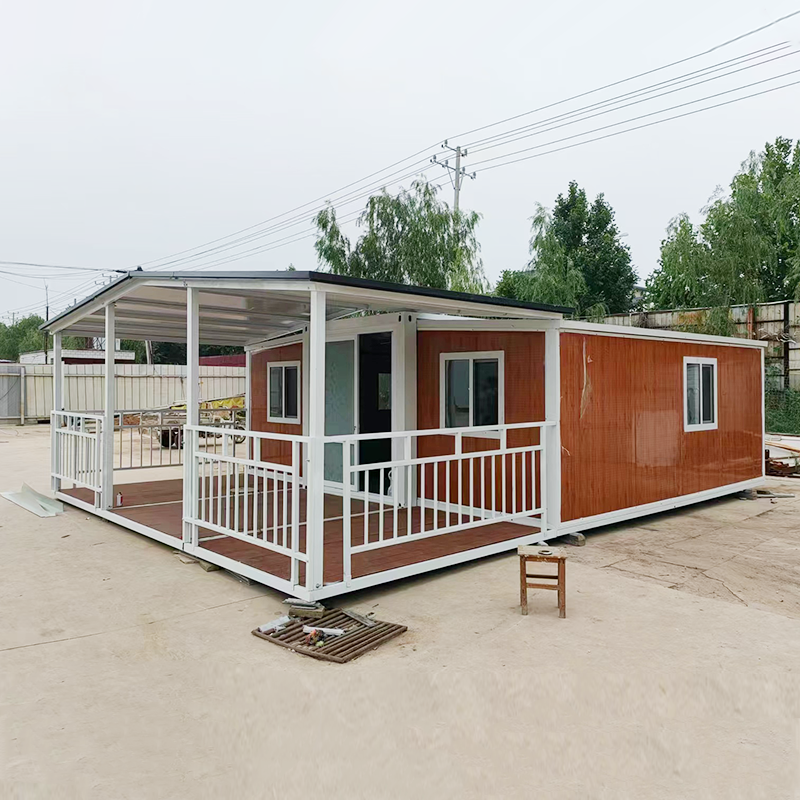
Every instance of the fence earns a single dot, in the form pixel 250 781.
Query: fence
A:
pixel 777 323
pixel 234 490
pixel 11 388
pixel 411 498
pixel 137 386
pixel 77 450
pixel 237 493
pixel 145 438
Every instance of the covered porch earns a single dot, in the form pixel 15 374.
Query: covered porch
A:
pixel 346 501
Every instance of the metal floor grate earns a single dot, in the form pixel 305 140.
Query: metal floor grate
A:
pixel 358 639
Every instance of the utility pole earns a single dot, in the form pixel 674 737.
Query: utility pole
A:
pixel 459 172
pixel 47 319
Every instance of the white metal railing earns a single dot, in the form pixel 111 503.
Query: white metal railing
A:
pixel 241 493
pixel 460 478
pixel 77 450
pixel 146 438
pixel 416 497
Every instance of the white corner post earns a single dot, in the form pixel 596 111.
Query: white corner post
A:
pixel 58 405
pixel 404 402
pixel 315 497
pixel 552 437
pixel 192 410
pixel 109 411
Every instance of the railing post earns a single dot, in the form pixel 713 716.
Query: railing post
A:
pixel 346 513
pixel 109 411
pixel 98 462
pixel 315 516
pixel 295 565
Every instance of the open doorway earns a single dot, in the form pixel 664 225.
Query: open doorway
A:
pixel 358 399
pixel 375 402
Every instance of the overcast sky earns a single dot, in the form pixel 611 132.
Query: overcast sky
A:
pixel 130 131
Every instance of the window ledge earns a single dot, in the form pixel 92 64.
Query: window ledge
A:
pixel 708 426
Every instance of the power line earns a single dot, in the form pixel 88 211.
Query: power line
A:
pixel 165 260
pixel 359 194
pixel 296 208
pixel 771 50
pixel 637 127
pixel 57 266
pixel 366 191
pixel 719 46
pixel 639 101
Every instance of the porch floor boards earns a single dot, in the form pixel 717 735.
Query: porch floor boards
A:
pixel 158 504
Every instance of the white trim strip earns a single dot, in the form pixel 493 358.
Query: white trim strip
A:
pixel 623 514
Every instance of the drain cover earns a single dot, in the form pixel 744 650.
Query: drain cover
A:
pixel 359 637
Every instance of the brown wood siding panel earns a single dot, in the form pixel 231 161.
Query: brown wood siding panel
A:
pixel 524 402
pixel 622 423
pixel 279 452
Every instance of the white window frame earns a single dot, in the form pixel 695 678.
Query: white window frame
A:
pixel 284 419
pixel 481 355
pixel 700 426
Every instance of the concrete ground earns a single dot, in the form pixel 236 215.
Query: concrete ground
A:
pixel 125 673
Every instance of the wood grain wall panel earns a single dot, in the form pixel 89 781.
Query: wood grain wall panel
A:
pixel 524 402
pixel 279 452
pixel 622 423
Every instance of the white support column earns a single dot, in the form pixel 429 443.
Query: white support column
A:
pixel 552 439
pixel 109 411
pixel 404 399
pixel 315 514
pixel 192 406
pixel 58 405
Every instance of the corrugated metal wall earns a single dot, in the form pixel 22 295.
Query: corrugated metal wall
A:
pixel 10 391
pixel 137 386
pixel 777 323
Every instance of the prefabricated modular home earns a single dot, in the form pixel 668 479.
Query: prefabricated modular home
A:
pixel 392 430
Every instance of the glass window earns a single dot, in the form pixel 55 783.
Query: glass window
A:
pixel 485 392
pixel 384 391
pixel 290 392
pixel 700 387
pixel 457 411
pixel 693 393
pixel 471 391
pixel 284 380
pixel 707 393
pixel 276 391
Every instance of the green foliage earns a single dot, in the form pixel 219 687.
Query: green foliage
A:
pixel 591 238
pixel 551 277
pixel 781 405
pixel 747 250
pixel 577 258
pixel 24 336
pixel 411 238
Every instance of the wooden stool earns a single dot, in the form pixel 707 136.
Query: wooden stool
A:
pixel 539 553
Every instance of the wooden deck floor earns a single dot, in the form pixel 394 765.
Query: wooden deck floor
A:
pixel 159 505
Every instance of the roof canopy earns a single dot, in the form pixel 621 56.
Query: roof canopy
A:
pixel 241 307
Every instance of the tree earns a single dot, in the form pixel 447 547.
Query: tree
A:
pixel 24 336
pixel 579 240
pixel 683 278
pixel 411 238
pixel 747 249
pixel 551 277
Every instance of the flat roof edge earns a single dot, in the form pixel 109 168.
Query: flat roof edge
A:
pixel 327 278
pixel 631 331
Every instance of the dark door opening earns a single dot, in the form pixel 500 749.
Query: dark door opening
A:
pixel 374 403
